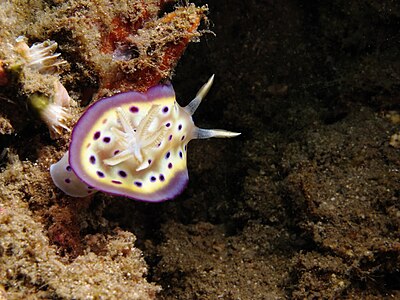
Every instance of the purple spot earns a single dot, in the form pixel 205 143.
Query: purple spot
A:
pixel 68 168
pixel 116 152
pixel 122 173
pixel 116 181
pixel 180 154
pixel 159 144
pixel 162 178
pixel 168 124
pixel 165 109
pixel 180 127
pixel 170 166
pixel 96 135
pixel 67 180
pixel 185 147
pixel 149 161
pixel 134 109
pixel 183 137
pixel 153 178
pixel 167 155
pixel 100 174
pixel 138 183
pixel 106 139
pixel 170 137
pixel 92 159
pixel 90 187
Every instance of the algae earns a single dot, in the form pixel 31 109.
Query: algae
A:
pixel 305 204
pixel 32 267
pixel 52 246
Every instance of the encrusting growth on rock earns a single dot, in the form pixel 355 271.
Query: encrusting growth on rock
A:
pixel 122 50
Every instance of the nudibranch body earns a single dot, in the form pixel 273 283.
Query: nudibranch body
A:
pixel 133 144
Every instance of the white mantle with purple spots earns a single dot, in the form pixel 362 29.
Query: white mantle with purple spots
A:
pixel 132 144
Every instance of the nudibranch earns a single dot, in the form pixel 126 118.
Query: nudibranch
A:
pixel 133 144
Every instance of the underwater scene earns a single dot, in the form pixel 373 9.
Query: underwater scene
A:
pixel 168 149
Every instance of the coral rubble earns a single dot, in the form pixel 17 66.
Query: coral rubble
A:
pixel 31 266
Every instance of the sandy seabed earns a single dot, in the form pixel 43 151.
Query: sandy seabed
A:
pixel 303 205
